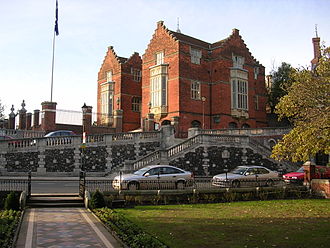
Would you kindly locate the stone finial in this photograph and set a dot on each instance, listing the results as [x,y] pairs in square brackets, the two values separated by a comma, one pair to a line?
[12,109]
[23,105]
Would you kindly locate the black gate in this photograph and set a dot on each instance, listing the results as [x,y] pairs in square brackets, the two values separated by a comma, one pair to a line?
[82,183]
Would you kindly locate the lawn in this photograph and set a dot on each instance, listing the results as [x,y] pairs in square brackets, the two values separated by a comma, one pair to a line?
[280,223]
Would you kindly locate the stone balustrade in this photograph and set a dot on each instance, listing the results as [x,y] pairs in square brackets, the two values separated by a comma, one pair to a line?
[205,152]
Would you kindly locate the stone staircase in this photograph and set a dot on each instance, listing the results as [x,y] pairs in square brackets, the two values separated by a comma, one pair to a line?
[189,145]
[55,200]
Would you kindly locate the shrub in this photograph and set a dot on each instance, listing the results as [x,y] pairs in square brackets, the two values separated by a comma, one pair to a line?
[12,202]
[97,200]
[8,223]
[131,234]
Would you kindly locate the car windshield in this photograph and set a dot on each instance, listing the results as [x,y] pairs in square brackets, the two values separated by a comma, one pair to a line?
[141,171]
[301,169]
[239,170]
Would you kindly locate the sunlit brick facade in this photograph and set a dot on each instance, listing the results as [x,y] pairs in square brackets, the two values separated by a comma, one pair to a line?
[187,82]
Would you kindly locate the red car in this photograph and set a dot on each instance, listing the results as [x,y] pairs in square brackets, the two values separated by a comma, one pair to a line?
[298,176]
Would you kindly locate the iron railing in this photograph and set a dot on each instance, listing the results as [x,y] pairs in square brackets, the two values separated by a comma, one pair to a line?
[199,183]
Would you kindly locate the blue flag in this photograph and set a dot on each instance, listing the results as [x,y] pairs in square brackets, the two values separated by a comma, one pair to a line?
[56,19]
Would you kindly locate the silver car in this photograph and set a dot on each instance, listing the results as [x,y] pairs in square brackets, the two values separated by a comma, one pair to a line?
[246,175]
[154,177]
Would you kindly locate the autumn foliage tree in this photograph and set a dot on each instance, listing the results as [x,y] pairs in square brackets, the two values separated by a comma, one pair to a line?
[281,81]
[307,106]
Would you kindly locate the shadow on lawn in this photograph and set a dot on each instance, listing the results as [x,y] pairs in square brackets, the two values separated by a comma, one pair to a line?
[240,232]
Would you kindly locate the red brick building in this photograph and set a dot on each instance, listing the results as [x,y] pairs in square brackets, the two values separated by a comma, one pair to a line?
[119,88]
[186,82]
[196,83]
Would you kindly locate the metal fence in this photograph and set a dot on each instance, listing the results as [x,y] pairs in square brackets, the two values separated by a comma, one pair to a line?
[14,185]
[200,183]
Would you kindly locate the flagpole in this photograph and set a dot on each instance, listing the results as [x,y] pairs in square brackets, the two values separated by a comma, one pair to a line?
[55,33]
[51,87]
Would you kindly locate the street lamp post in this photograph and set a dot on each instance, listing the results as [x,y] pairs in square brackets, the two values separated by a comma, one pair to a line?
[203,104]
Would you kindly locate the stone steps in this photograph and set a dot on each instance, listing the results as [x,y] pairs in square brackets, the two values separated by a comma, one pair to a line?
[55,200]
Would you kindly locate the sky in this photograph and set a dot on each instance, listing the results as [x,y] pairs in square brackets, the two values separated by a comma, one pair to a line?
[275,31]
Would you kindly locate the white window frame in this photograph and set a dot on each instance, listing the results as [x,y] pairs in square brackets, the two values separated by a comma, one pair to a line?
[238,61]
[196,55]
[256,72]
[136,104]
[109,76]
[239,93]
[158,86]
[137,75]
[195,90]
[159,58]
[106,101]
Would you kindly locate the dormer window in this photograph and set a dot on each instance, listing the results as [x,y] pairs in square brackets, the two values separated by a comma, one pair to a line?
[238,61]
[109,76]
[196,55]
[159,58]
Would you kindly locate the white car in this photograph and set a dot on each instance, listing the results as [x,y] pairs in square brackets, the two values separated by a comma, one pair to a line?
[246,175]
[154,177]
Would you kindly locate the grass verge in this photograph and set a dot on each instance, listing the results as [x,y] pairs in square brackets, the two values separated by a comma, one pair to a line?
[278,223]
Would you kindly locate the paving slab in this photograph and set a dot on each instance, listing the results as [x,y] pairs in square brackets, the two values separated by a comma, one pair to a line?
[63,228]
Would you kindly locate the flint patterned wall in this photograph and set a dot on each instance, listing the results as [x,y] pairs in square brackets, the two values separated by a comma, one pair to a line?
[66,155]
[204,152]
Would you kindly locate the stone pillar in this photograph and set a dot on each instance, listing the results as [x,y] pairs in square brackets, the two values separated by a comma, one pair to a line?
[36,114]
[41,170]
[193,131]
[22,117]
[309,169]
[87,118]
[28,121]
[150,122]
[108,143]
[12,116]
[167,137]
[118,120]
[175,124]
[48,116]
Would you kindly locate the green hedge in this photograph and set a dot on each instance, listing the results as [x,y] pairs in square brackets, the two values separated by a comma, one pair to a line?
[204,196]
[132,235]
[9,220]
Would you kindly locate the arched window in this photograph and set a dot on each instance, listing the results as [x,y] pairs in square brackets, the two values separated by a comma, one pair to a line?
[136,104]
[232,125]
[245,125]
[195,123]
[166,123]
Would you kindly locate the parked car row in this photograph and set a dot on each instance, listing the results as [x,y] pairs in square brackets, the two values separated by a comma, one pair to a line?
[297,177]
[170,177]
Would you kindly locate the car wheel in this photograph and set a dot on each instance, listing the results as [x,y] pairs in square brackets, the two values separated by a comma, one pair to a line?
[180,185]
[270,183]
[133,186]
[236,184]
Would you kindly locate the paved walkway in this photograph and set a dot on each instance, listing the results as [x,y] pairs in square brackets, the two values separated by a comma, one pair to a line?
[63,228]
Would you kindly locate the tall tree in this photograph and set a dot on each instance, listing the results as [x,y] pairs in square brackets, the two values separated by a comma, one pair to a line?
[281,80]
[307,105]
